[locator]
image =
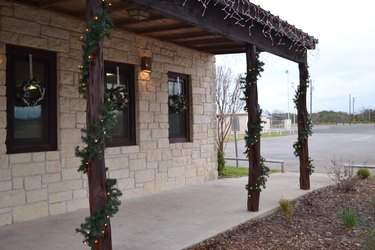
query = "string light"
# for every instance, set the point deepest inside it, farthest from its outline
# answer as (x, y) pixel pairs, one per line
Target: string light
(94, 136)
(244, 13)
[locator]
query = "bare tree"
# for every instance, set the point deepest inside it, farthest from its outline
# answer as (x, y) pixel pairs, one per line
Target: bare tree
(229, 102)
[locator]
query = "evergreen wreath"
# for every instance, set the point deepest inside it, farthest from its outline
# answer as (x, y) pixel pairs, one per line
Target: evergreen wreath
(177, 103)
(32, 93)
(119, 97)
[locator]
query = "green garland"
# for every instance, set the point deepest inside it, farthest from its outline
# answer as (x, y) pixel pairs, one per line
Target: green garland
(252, 136)
(94, 226)
(261, 180)
(307, 130)
(95, 135)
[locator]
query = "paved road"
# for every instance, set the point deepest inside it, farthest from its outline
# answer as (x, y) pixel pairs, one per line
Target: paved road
(342, 142)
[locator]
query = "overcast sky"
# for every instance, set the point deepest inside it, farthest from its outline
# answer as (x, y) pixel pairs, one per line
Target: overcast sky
(343, 63)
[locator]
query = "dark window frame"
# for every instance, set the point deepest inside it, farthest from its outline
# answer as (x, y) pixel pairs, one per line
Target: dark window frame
(129, 113)
(48, 142)
(187, 93)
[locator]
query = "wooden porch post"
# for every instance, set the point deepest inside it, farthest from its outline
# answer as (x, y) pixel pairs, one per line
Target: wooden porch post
(302, 116)
(95, 99)
(253, 150)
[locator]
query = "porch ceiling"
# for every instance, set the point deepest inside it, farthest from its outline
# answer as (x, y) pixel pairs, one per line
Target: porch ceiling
(171, 21)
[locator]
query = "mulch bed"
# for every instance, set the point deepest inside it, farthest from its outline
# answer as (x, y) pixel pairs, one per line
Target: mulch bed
(313, 225)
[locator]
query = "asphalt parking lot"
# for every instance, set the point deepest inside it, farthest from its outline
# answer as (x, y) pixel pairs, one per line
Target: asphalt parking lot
(345, 143)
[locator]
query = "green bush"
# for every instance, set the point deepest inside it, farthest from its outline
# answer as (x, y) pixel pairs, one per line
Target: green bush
(220, 163)
(363, 173)
(348, 217)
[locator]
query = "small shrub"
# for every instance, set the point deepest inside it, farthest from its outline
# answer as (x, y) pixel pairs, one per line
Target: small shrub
(348, 217)
(342, 175)
(368, 238)
(220, 163)
(363, 173)
(286, 207)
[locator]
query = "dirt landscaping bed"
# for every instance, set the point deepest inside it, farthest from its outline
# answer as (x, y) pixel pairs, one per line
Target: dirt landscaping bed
(314, 223)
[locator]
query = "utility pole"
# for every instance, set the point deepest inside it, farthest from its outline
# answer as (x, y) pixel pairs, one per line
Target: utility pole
(350, 107)
(287, 81)
(353, 109)
(311, 90)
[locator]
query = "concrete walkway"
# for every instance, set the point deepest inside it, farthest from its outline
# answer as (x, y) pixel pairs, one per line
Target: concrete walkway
(167, 220)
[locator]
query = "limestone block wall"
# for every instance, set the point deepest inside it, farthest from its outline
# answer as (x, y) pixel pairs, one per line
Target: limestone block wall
(36, 185)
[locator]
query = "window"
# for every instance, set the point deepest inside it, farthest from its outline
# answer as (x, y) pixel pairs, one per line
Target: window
(178, 87)
(120, 74)
(31, 100)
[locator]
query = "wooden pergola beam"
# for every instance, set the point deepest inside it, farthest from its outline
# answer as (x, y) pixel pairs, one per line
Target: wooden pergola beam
(214, 20)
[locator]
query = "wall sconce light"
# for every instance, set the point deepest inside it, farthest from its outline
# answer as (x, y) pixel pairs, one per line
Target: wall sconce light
(146, 64)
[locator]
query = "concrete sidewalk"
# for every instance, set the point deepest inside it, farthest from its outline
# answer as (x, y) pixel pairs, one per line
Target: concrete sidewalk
(167, 220)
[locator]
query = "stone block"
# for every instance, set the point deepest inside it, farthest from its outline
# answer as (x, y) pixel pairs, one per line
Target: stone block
(127, 183)
(12, 198)
(32, 41)
(30, 211)
(36, 195)
(77, 104)
(53, 155)
(175, 172)
(17, 183)
(79, 194)
(154, 155)
(20, 158)
(53, 166)
(5, 219)
(64, 186)
(117, 163)
(5, 185)
(66, 21)
(27, 169)
(119, 174)
(60, 196)
(30, 14)
(67, 121)
(20, 26)
(55, 32)
(70, 91)
(49, 178)
(41, 156)
(138, 164)
(70, 174)
(57, 208)
(33, 182)
(144, 176)
(70, 135)
(77, 204)
(5, 175)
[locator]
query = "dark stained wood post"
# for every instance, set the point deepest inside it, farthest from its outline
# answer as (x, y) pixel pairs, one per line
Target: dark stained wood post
(304, 179)
(254, 150)
(95, 99)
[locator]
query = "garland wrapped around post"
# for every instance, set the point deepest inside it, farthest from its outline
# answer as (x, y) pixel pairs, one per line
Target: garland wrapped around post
(103, 195)
(304, 129)
(258, 172)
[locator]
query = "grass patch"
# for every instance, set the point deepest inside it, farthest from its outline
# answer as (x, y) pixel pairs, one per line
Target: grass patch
(234, 172)
(348, 217)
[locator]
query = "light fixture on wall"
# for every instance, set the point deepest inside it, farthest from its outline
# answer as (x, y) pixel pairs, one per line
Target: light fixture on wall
(146, 64)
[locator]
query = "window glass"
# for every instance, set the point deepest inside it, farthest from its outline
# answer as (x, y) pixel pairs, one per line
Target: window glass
(31, 100)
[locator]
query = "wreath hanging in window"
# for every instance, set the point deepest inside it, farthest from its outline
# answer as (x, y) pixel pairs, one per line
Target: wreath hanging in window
(119, 97)
(32, 92)
(177, 103)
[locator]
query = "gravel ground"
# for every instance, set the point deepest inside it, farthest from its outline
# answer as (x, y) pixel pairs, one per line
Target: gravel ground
(314, 223)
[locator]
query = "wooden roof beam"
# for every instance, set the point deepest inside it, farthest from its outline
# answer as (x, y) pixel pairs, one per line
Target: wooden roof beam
(214, 21)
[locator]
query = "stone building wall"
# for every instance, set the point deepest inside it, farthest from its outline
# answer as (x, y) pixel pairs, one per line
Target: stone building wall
(36, 185)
